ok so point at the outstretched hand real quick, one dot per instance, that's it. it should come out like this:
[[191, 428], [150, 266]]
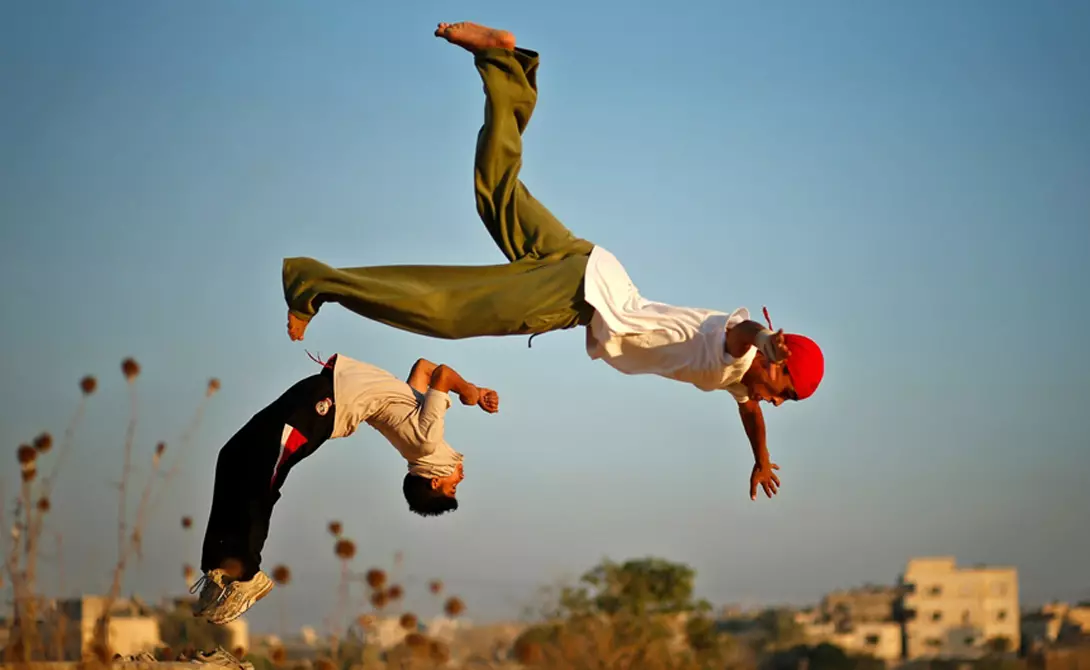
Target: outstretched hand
[[489, 400], [766, 478]]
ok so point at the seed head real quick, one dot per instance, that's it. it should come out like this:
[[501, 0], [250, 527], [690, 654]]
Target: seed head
[[344, 549], [43, 443], [376, 578], [43, 504], [213, 386], [131, 369], [88, 385], [189, 573], [378, 599], [187, 522], [281, 575], [26, 454], [435, 586], [160, 448], [394, 593], [335, 528], [408, 621], [454, 607]]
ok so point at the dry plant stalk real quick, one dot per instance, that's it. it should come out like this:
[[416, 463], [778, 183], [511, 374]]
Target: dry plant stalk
[[32, 506]]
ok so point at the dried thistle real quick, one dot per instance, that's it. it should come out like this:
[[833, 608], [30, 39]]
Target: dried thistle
[[454, 607], [281, 575], [345, 549], [131, 369], [26, 454], [213, 386], [278, 655], [189, 573], [395, 592], [435, 586], [29, 472], [43, 443], [378, 599], [160, 448], [408, 621], [43, 504], [376, 578], [187, 522], [335, 528], [88, 385]]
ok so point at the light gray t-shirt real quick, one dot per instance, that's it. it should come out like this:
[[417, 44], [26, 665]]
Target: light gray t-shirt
[[411, 421]]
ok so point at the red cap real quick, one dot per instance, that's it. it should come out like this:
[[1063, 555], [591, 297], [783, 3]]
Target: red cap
[[805, 364]]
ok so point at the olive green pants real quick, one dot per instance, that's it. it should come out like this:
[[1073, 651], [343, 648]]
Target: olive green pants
[[539, 290]]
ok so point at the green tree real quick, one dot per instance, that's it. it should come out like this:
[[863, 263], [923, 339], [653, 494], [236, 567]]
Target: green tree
[[641, 611], [637, 586]]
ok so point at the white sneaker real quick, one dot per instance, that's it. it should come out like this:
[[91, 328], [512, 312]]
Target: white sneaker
[[222, 658], [238, 597], [212, 587]]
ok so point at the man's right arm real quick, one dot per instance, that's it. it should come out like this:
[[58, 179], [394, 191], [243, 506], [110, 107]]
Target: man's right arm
[[445, 379]]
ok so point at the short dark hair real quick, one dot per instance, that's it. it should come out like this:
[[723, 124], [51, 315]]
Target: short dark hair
[[423, 499]]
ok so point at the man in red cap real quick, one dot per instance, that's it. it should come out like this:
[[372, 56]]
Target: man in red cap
[[554, 280]]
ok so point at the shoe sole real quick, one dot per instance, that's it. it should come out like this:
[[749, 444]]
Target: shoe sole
[[247, 604]]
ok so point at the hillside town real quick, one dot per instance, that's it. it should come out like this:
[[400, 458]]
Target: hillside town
[[935, 611]]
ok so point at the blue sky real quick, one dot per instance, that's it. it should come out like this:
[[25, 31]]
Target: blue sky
[[904, 182]]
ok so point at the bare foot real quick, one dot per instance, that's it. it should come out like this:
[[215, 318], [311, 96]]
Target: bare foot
[[296, 327], [474, 37]]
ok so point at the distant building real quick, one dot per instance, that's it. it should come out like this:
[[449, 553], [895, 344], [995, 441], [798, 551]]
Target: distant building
[[133, 627], [952, 612], [1055, 622], [859, 621], [865, 604]]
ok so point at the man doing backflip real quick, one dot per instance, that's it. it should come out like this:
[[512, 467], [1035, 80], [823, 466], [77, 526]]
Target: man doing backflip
[[255, 462]]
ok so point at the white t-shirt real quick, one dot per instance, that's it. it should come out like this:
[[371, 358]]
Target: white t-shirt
[[639, 336], [411, 421]]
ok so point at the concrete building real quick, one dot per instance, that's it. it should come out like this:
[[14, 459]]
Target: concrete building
[[132, 629], [1055, 622], [952, 612], [865, 604]]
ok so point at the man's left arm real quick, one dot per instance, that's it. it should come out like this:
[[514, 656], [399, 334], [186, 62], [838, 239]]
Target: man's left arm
[[763, 473], [742, 336], [420, 375]]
